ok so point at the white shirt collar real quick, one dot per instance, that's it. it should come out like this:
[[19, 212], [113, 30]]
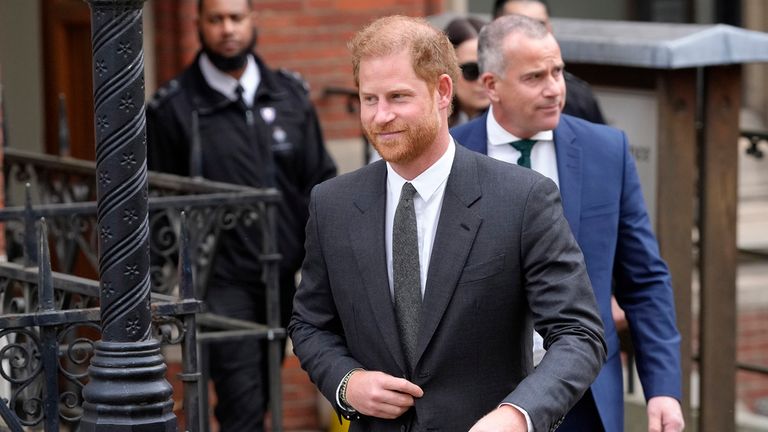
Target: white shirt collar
[[226, 84], [430, 180], [497, 135]]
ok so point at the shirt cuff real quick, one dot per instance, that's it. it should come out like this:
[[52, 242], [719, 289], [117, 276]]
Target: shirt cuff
[[525, 414]]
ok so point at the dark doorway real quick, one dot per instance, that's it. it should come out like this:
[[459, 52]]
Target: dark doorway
[[68, 75]]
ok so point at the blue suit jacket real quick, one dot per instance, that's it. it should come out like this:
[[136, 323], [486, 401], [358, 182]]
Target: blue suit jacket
[[603, 203]]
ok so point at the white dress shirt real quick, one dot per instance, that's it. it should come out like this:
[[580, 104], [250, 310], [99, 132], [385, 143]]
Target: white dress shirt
[[226, 84], [430, 188], [543, 158]]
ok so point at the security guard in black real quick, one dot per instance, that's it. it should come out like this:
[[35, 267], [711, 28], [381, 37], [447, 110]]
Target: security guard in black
[[273, 140]]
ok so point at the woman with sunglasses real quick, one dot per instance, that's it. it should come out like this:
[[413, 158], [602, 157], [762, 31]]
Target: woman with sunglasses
[[470, 99]]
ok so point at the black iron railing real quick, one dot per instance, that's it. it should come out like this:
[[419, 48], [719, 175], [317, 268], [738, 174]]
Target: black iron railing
[[47, 352], [50, 319]]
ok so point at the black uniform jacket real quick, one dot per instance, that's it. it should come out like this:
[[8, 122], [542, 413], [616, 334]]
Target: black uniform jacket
[[276, 142], [580, 101]]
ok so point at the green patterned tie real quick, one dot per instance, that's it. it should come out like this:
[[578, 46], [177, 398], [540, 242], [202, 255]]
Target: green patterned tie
[[524, 147]]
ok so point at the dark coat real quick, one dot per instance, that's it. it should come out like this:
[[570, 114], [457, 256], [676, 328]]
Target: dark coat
[[277, 143], [580, 101], [503, 262]]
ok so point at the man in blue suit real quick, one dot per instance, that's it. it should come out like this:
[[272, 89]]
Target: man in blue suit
[[522, 71]]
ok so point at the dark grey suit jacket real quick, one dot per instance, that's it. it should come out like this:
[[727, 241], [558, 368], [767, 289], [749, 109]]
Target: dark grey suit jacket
[[503, 260]]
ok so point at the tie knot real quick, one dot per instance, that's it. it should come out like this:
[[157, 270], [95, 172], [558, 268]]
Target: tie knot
[[524, 145], [407, 192], [239, 90]]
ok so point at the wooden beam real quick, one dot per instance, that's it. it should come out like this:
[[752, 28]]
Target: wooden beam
[[718, 171], [675, 192]]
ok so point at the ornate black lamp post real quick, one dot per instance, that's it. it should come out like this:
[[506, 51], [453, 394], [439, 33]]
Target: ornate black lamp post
[[127, 390]]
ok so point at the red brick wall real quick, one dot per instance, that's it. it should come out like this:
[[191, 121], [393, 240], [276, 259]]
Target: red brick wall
[[308, 36], [175, 36], [751, 349], [752, 333]]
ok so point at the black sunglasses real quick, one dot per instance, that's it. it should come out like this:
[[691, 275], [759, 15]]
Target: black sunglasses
[[470, 71]]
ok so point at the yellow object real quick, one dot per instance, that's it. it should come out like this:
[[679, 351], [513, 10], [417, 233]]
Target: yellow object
[[336, 427]]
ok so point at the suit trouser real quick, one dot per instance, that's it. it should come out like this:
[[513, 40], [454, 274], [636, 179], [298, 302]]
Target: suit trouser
[[239, 368]]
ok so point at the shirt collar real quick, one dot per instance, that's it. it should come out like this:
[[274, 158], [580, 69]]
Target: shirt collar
[[225, 83], [497, 135], [430, 180]]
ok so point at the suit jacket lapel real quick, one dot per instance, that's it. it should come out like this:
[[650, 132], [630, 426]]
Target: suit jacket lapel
[[456, 231], [367, 240], [569, 171]]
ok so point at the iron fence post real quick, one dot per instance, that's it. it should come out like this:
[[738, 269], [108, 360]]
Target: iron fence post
[[127, 390], [271, 260], [190, 375], [49, 345]]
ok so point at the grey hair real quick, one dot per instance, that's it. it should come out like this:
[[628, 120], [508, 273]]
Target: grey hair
[[490, 46]]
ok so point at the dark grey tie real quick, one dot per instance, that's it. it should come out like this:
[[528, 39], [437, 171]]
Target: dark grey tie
[[405, 272]]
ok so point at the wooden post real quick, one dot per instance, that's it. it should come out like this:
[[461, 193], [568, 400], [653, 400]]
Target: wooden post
[[718, 174], [675, 193]]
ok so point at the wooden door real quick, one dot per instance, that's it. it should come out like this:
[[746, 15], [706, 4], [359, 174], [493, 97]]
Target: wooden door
[[68, 74]]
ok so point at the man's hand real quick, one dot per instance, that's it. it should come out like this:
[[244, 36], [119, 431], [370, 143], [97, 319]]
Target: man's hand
[[505, 418], [619, 316], [377, 394], [665, 415]]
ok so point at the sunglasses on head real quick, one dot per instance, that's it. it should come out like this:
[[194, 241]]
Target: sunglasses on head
[[470, 71]]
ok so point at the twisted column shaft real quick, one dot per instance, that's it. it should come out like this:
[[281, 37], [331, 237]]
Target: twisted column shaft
[[127, 390]]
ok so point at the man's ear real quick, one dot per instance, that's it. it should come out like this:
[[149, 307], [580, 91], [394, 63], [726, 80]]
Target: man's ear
[[490, 82], [444, 91]]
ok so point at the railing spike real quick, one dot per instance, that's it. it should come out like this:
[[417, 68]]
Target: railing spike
[[45, 280]]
